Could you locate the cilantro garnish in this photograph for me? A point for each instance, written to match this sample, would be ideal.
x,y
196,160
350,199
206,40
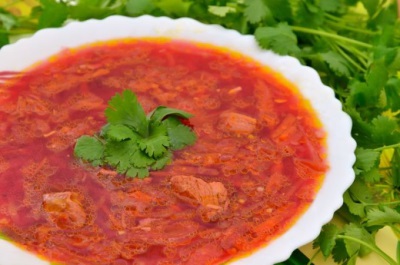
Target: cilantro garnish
x,y
133,142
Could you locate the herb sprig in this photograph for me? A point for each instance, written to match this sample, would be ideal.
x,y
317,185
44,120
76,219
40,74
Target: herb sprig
x,y
133,142
355,47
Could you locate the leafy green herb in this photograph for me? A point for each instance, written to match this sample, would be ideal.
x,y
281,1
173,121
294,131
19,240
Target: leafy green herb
x,y
132,142
347,243
90,148
256,10
353,44
125,110
280,38
382,217
327,239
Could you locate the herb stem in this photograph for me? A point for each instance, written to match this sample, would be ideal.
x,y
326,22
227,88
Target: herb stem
x,y
385,186
362,58
345,215
382,203
342,26
244,26
347,57
373,248
355,19
330,35
387,147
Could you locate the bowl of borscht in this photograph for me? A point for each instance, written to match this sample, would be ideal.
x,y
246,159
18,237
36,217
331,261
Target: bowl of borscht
x,y
159,141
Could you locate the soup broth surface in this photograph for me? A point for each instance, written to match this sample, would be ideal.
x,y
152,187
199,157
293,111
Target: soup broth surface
x,y
255,168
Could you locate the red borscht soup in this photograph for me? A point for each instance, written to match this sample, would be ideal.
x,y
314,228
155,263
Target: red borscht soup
x,y
255,168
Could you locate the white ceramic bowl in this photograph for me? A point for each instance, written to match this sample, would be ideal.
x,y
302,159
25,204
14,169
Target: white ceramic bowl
x,y
340,145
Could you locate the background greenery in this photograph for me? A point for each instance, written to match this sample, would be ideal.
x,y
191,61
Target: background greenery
x,y
355,47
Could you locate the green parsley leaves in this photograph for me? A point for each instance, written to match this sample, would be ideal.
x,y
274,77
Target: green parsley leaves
x,y
132,142
346,243
125,110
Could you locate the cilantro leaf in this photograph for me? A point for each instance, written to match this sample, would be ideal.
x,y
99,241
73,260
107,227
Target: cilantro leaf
x,y
371,176
154,146
306,14
157,142
118,132
382,217
54,14
140,159
330,5
179,135
360,192
352,247
7,19
85,9
392,91
280,39
339,253
377,76
221,11
256,10
174,7
138,7
360,94
162,161
162,112
336,63
124,109
118,154
355,208
128,151
327,239
137,172
386,131
366,158
280,9
89,148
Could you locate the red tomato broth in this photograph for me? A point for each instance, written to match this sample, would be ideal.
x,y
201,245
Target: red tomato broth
x,y
271,175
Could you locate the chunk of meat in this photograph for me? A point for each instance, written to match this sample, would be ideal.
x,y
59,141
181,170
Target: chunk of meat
x,y
197,191
237,123
65,209
212,197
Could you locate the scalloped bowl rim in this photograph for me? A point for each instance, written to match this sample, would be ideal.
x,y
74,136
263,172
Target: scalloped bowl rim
x,y
340,144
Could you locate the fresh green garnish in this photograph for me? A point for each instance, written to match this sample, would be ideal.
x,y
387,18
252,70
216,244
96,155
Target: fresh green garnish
x,y
355,47
132,142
